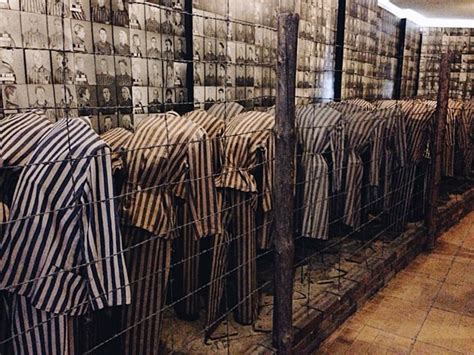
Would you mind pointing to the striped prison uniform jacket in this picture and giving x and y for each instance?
(165, 153)
(452, 120)
(226, 111)
(366, 105)
(76, 227)
(318, 129)
(246, 185)
(195, 265)
(465, 136)
(117, 139)
(361, 129)
(418, 116)
(19, 134)
(36, 6)
(394, 145)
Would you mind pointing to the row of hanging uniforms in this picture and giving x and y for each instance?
(60, 253)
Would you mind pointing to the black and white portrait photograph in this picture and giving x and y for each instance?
(155, 73)
(124, 71)
(10, 5)
(66, 103)
(240, 78)
(180, 48)
(125, 99)
(220, 95)
(209, 25)
(198, 48)
(181, 97)
(59, 8)
(103, 39)
(126, 121)
(34, 31)
(178, 24)
(101, 11)
(169, 97)
(198, 76)
(139, 72)
(63, 68)
(210, 95)
(137, 43)
(222, 29)
(166, 26)
(86, 99)
(155, 100)
(107, 99)
(42, 97)
(15, 98)
(84, 69)
(210, 78)
(10, 32)
(121, 41)
(107, 122)
(198, 23)
(210, 50)
(120, 14)
(169, 74)
(137, 16)
(105, 71)
(12, 66)
(81, 36)
(199, 93)
(241, 56)
(38, 67)
(168, 48)
(153, 19)
(60, 35)
(140, 100)
(180, 71)
(153, 45)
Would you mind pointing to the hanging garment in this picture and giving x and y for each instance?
(226, 111)
(366, 105)
(394, 147)
(167, 159)
(246, 183)
(465, 136)
(19, 134)
(318, 129)
(361, 128)
(69, 242)
(453, 118)
(117, 139)
(191, 274)
(418, 117)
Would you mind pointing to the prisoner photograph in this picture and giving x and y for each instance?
(107, 99)
(155, 101)
(123, 74)
(120, 16)
(107, 122)
(125, 99)
(82, 36)
(140, 100)
(10, 33)
(80, 10)
(63, 68)
(103, 39)
(38, 67)
(84, 65)
(60, 36)
(139, 72)
(126, 122)
(100, 11)
(137, 16)
(155, 73)
(105, 71)
(153, 45)
(137, 47)
(42, 97)
(121, 41)
(168, 48)
(86, 100)
(34, 31)
(180, 48)
(12, 69)
(153, 16)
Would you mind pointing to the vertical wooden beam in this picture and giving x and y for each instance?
(339, 59)
(418, 65)
(283, 196)
(438, 142)
(397, 90)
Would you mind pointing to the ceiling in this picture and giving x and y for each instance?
(458, 9)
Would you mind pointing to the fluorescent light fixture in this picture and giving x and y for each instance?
(423, 21)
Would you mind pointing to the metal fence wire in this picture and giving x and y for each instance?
(161, 170)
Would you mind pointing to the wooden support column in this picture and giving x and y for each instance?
(397, 90)
(283, 196)
(339, 55)
(437, 143)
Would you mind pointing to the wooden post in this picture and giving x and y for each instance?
(437, 141)
(397, 90)
(339, 57)
(283, 196)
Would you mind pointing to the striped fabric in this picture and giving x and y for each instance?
(52, 237)
(360, 128)
(248, 148)
(362, 103)
(19, 134)
(317, 130)
(36, 6)
(226, 111)
(117, 139)
(168, 160)
(189, 274)
(453, 118)
(465, 136)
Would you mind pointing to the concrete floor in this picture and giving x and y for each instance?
(426, 309)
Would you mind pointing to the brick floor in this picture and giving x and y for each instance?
(426, 309)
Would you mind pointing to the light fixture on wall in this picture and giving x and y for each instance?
(423, 20)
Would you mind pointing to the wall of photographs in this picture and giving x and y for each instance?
(234, 51)
(370, 56)
(411, 57)
(113, 60)
(461, 42)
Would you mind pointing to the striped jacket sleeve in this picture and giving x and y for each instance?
(106, 272)
(268, 161)
(201, 189)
